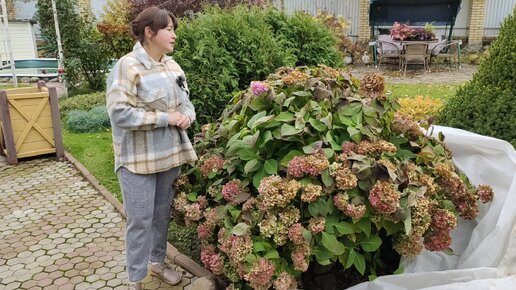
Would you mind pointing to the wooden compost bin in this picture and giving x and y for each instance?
(29, 123)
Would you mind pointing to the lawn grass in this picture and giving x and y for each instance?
(434, 91)
(94, 151)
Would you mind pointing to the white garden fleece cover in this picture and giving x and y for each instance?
(486, 247)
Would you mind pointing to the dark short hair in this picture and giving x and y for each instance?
(154, 18)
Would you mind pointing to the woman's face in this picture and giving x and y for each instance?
(165, 39)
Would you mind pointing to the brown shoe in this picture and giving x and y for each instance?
(169, 276)
(135, 286)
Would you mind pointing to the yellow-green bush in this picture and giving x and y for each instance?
(420, 108)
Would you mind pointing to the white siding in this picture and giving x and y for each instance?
(496, 11)
(349, 9)
(23, 40)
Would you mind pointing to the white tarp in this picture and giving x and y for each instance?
(486, 247)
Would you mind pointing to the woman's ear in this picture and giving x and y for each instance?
(148, 32)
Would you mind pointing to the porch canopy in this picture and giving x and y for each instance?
(413, 12)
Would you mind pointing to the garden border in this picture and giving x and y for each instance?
(172, 253)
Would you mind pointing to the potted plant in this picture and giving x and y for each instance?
(404, 32)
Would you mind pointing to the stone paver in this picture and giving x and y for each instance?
(58, 232)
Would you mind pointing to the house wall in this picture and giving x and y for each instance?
(476, 18)
(23, 40)
(496, 12)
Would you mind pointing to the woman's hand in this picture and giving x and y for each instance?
(177, 119)
(173, 118)
(184, 122)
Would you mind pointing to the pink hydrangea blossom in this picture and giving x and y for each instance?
(348, 147)
(211, 260)
(204, 231)
(231, 189)
(296, 166)
(259, 88)
(260, 275)
(295, 233)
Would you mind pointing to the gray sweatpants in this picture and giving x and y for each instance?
(147, 199)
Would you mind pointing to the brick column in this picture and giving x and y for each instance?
(84, 7)
(476, 22)
(364, 30)
(10, 10)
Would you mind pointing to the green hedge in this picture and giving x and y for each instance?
(84, 102)
(94, 120)
(487, 104)
(222, 51)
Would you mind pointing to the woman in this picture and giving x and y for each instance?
(149, 109)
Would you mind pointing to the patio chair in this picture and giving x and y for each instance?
(447, 51)
(415, 53)
(388, 50)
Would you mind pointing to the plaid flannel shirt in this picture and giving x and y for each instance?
(140, 93)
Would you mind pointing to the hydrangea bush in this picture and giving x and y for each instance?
(312, 166)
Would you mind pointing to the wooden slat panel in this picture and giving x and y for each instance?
(29, 101)
(22, 90)
(36, 152)
(43, 122)
(34, 135)
(27, 96)
(15, 115)
(34, 146)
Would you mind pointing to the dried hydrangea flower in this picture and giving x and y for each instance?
(311, 192)
(403, 124)
(485, 193)
(443, 220)
(317, 224)
(300, 256)
(373, 86)
(345, 179)
(212, 164)
(274, 191)
(384, 198)
(285, 281)
(408, 246)
(438, 241)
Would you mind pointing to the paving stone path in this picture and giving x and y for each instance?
(58, 232)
